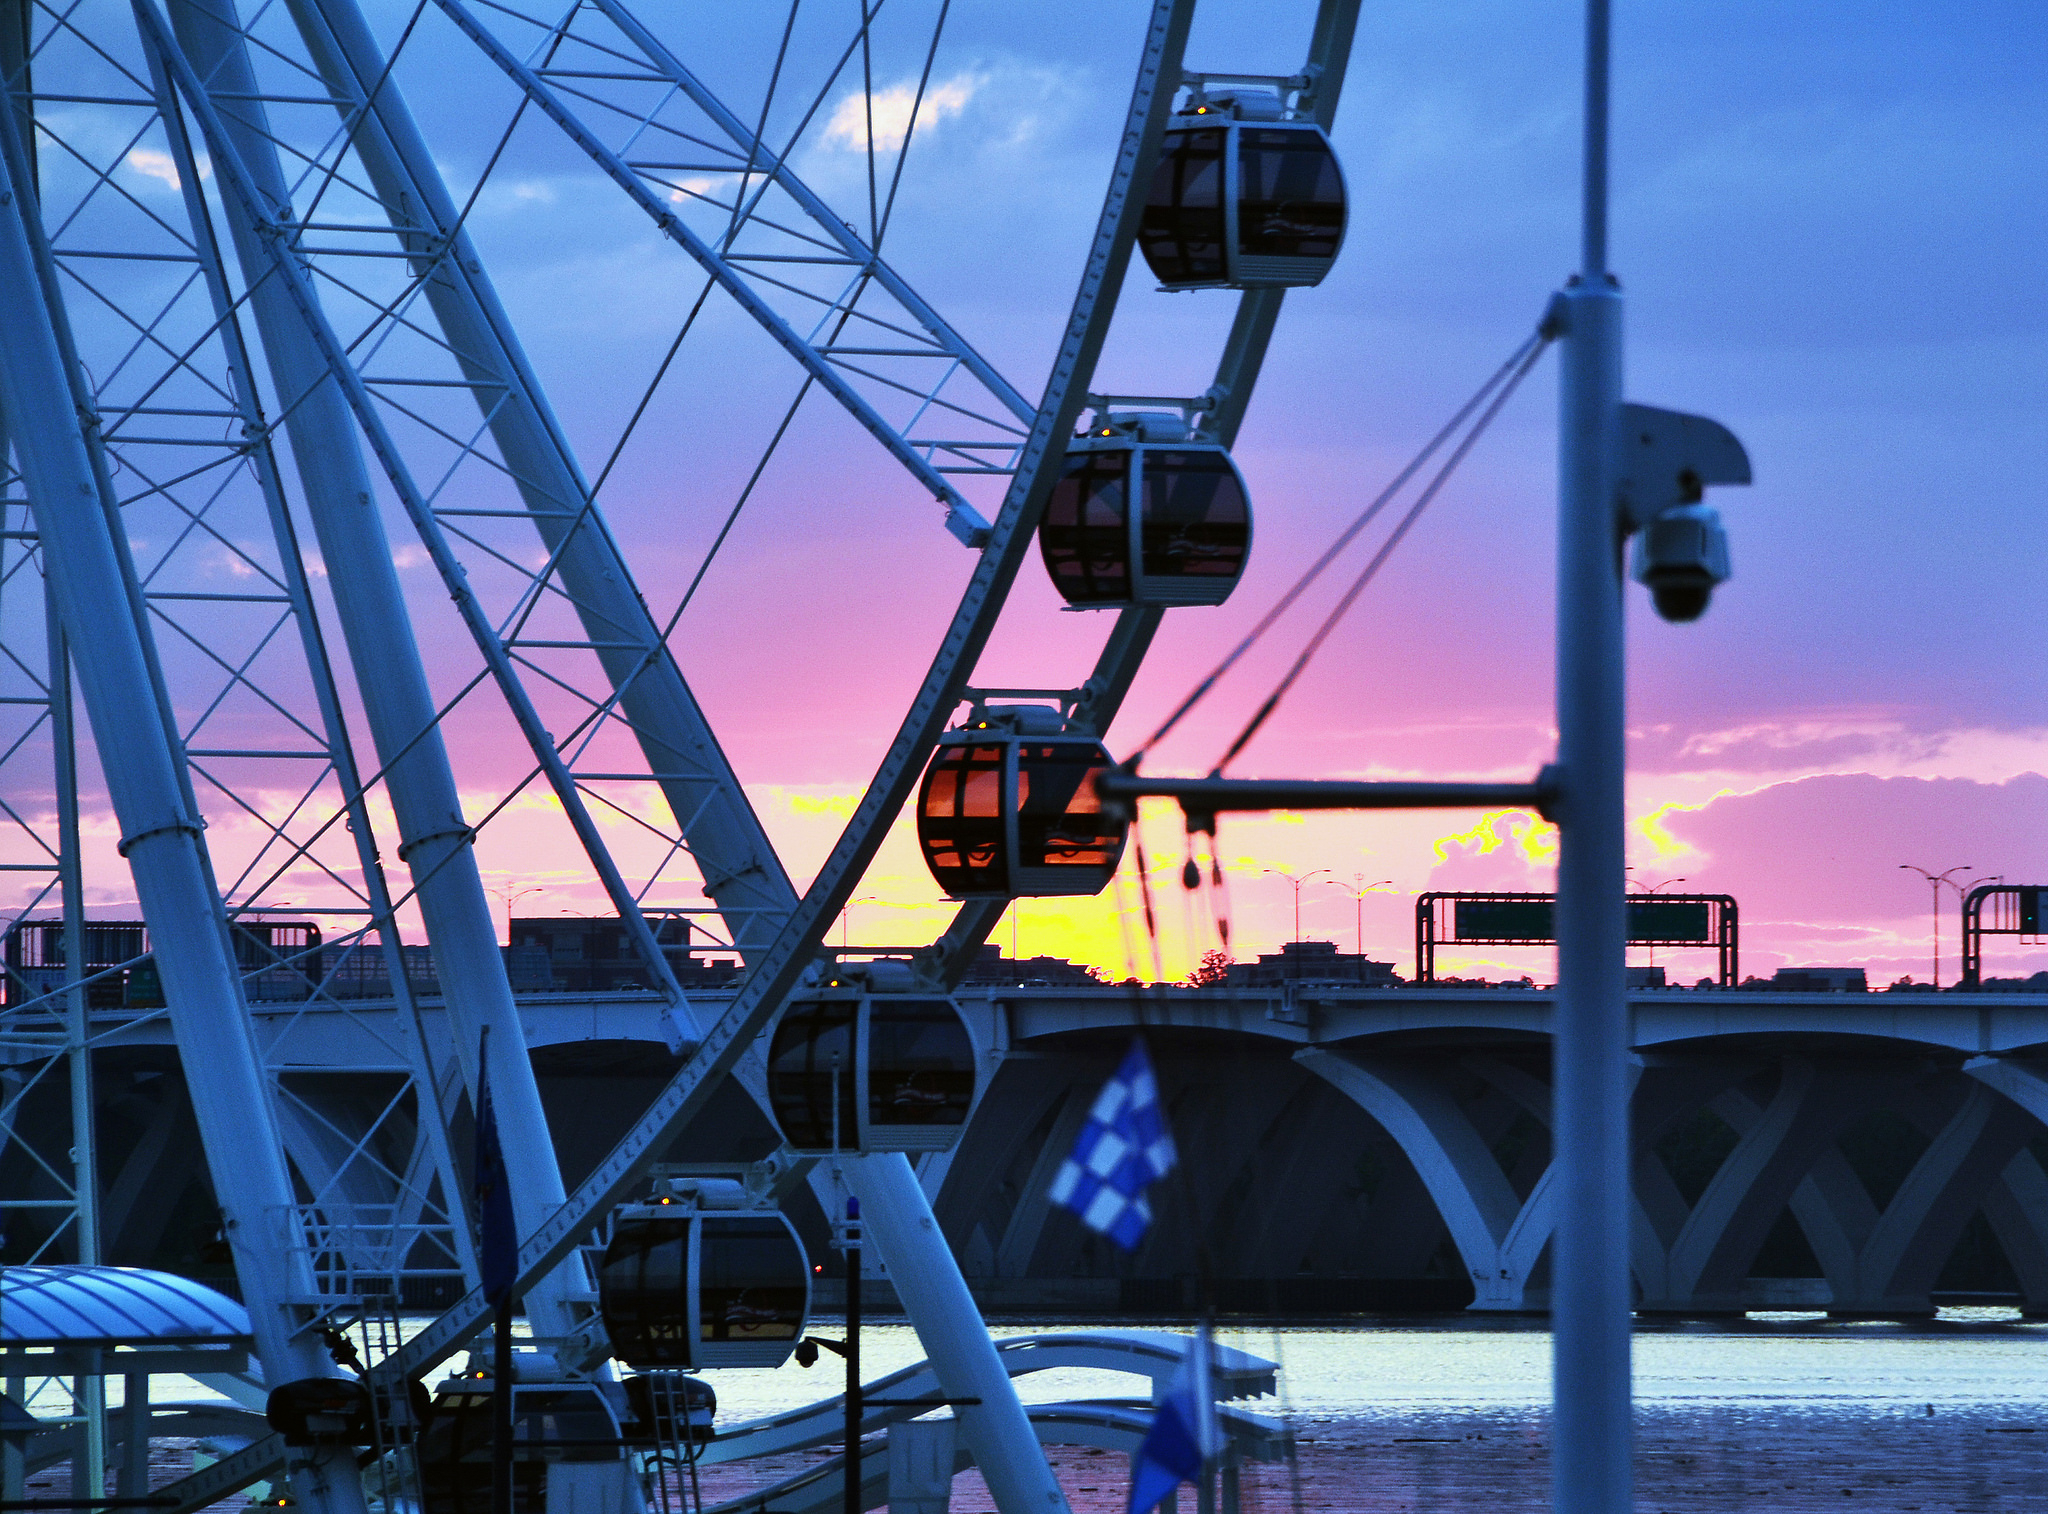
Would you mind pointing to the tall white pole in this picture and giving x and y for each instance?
(998, 1432)
(743, 875)
(1590, 1305)
(160, 837)
(434, 838)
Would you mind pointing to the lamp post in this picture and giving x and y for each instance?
(512, 896)
(1297, 882)
(846, 917)
(1934, 883)
(1358, 894)
(1650, 888)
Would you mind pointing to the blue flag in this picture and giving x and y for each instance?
(497, 1251)
(1185, 1435)
(1124, 1148)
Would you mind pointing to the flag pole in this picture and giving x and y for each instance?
(501, 1406)
(498, 1267)
(1205, 1316)
(853, 1403)
(1123, 1149)
(850, 1502)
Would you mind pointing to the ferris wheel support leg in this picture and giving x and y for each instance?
(434, 840)
(949, 1326)
(160, 838)
(742, 872)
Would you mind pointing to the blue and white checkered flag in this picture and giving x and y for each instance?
(1124, 1148)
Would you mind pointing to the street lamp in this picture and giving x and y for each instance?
(1297, 882)
(1650, 888)
(846, 915)
(511, 896)
(1358, 896)
(1934, 883)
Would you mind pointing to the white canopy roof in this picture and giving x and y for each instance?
(110, 1306)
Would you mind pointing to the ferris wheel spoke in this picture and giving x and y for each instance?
(732, 1038)
(741, 273)
(583, 568)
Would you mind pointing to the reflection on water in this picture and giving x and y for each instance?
(1782, 1412)
(1987, 1357)
(1789, 1412)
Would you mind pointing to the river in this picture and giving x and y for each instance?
(1789, 1412)
(1782, 1412)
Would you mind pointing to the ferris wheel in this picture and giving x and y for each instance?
(255, 358)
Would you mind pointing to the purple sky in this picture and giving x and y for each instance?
(1829, 224)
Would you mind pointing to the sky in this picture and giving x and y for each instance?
(1829, 225)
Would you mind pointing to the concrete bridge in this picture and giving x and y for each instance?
(1339, 1144)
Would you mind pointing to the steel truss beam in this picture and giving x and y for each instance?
(498, 652)
(584, 566)
(1010, 538)
(790, 955)
(830, 243)
(97, 599)
(44, 1031)
(181, 376)
(434, 839)
(397, 166)
(780, 966)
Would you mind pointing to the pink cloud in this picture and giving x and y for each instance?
(1815, 863)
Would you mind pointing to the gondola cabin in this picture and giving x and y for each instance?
(1144, 514)
(898, 1070)
(1007, 809)
(683, 1286)
(1245, 196)
(567, 1458)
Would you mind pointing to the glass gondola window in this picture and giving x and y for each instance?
(1246, 195)
(1085, 535)
(644, 1285)
(1145, 513)
(810, 1039)
(1050, 836)
(920, 1064)
(1196, 523)
(688, 1287)
(915, 1067)
(1290, 201)
(960, 815)
(1182, 232)
(1060, 822)
(751, 1284)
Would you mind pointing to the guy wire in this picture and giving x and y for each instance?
(1365, 518)
(1533, 350)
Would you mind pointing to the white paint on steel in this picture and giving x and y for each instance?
(996, 1430)
(434, 838)
(160, 837)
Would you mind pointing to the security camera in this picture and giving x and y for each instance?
(1665, 461)
(1680, 556)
